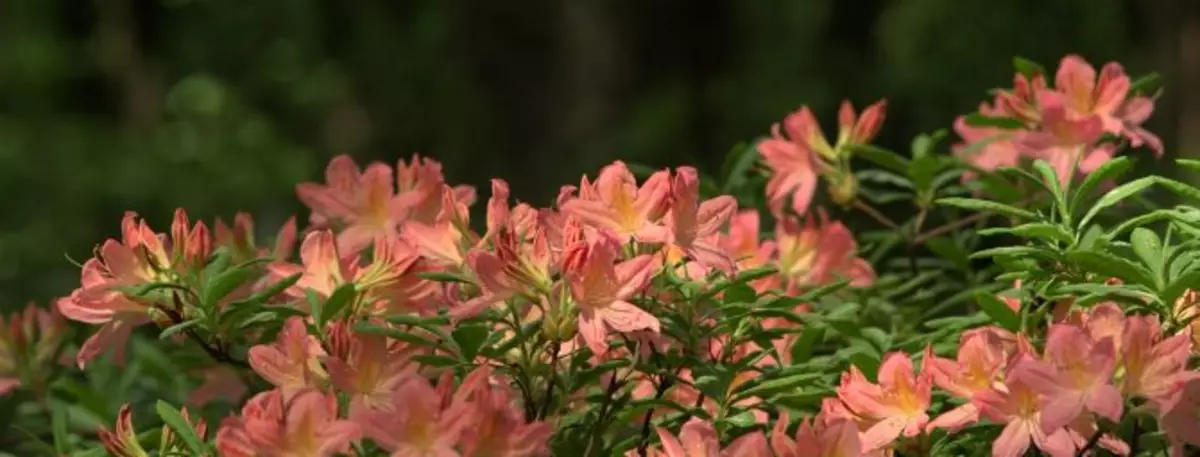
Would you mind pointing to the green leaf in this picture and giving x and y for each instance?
(1018, 251)
(174, 329)
(1050, 179)
(1149, 248)
(185, 432)
(1192, 164)
(1181, 189)
(441, 276)
(975, 204)
(1109, 170)
(737, 163)
(1027, 67)
(59, 418)
(882, 157)
(803, 347)
(740, 293)
(789, 382)
(1000, 313)
(1037, 230)
(1115, 196)
(342, 297)
(269, 292)
(470, 339)
(1146, 85)
(981, 120)
(924, 169)
(1110, 265)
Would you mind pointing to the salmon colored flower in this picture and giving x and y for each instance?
(272, 424)
(390, 275)
(1019, 405)
(693, 225)
(793, 163)
(420, 180)
(1187, 310)
(987, 148)
(978, 368)
(445, 240)
(139, 258)
(602, 289)
(1154, 368)
(422, 420)
(615, 202)
(1106, 97)
(240, 239)
(698, 438)
(820, 438)
(1022, 101)
(293, 362)
(29, 342)
(1181, 420)
(818, 253)
(1066, 144)
(797, 159)
(366, 367)
(364, 204)
(499, 429)
(1084, 368)
(122, 442)
(894, 407)
(217, 381)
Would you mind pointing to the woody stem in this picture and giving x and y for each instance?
(876, 214)
(549, 397)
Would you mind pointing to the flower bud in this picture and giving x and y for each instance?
(123, 441)
(843, 188)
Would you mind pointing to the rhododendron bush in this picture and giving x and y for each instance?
(1030, 301)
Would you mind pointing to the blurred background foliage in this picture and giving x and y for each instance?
(220, 106)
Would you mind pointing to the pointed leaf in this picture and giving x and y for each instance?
(975, 204)
(185, 432)
(1115, 196)
(1000, 313)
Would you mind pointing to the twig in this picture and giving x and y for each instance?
(557, 346)
(613, 385)
(875, 214)
(663, 385)
(957, 224)
(1133, 440)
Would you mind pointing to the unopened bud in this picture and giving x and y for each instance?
(843, 188)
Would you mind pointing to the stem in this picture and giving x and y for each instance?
(875, 214)
(1137, 434)
(959, 223)
(596, 432)
(664, 384)
(556, 346)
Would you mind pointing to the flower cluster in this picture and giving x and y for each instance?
(644, 315)
(1063, 125)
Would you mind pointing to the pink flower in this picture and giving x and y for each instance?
(1022, 101)
(602, 289)
(823, 437)
(1155, 368)
(1181, 420)
(978, 368)
(1018, 405)
(615, 202)
(138, 259)
(1084, 368)
(794, 165)
(894, 407)
(217, 381)
(366, 367)
(29, 341)
(422, 421)
(365, 203)
(389, 276)
(293, 362)
(499, 428)
(698, 438)
(1000, 150)
(304, 424)
(1107, 97)
(123, 442)
(694, 225)
(240, 238)
(1065, 142)
(797, 159)
(819, 253)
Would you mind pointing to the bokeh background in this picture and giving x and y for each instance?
(221, 105)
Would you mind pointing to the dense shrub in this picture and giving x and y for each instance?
(1028, 304)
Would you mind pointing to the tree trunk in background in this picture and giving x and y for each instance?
(1188, 53)
(120, 56)
(590, 66)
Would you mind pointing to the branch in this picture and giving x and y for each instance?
(557, 346)
(875, 214)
